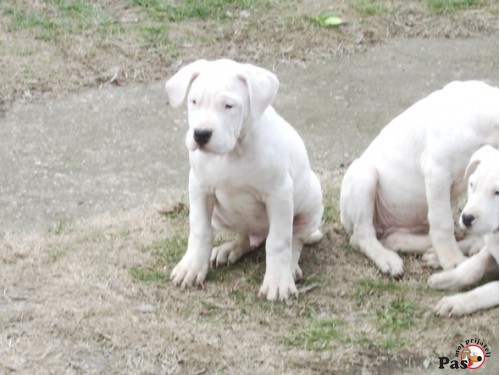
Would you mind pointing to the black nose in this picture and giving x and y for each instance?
(467, 220)
(202, 136)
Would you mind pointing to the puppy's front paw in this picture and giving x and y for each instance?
(430, 259)
(452, 262)
(442, 280)
(189, 271)
(456, 305)
(278, 284)
(390, 262)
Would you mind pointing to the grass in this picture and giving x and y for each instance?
(55, 255)
(378, 7)
(452, 6)
(399, 316)
(169, 251)
(60, 19)
(178, 11)
(316, 326)
(41, 27)
(64, 18)
(331, 206)
(147, 38)
(319, 334)
(368, 288)
(148, 275)
(166, 252)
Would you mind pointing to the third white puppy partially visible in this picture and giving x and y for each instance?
(479, 217)
(398, 195)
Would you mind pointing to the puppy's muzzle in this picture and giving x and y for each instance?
(202, 136)
(467, 220)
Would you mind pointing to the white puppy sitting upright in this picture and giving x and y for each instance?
(249, 174)
(479, 217)
(398, 195)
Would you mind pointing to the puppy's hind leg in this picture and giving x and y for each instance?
(357, 202)
(408, 242)
(230, 252)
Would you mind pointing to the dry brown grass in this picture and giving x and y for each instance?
(51, 47)
(93, 298)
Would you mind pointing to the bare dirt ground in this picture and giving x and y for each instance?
(89, 155)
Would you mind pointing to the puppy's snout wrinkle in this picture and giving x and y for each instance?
(467, 220)
(202, 136)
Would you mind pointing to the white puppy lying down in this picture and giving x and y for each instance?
(480, 217)
(249, 174)
(402, 188)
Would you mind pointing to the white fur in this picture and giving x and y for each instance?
(252, 177)
(482, 204)
(398, 195)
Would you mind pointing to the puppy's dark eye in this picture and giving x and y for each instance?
(193, 101)
(229, 106)
(496, 192)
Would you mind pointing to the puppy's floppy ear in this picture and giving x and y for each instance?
(476, 158)
(262, 87)
(178, 85)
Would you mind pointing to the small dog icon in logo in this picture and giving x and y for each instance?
(474, 355)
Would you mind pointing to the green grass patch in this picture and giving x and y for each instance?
(319, 334)
(62, 226)
(369, 287)
(379, 7)
(451, 6)
(331, 211)
(176, 11)
(60, 19)
(40, 25)
(147, 275)
(54, 255)
(169, 250)
(400, 315)
(372, 7)
(155, 35)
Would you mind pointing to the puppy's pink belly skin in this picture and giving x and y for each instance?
(253, 224)
(387, 222)
(392, 215)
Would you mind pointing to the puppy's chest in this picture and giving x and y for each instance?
(241, 210)
(229, 173)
